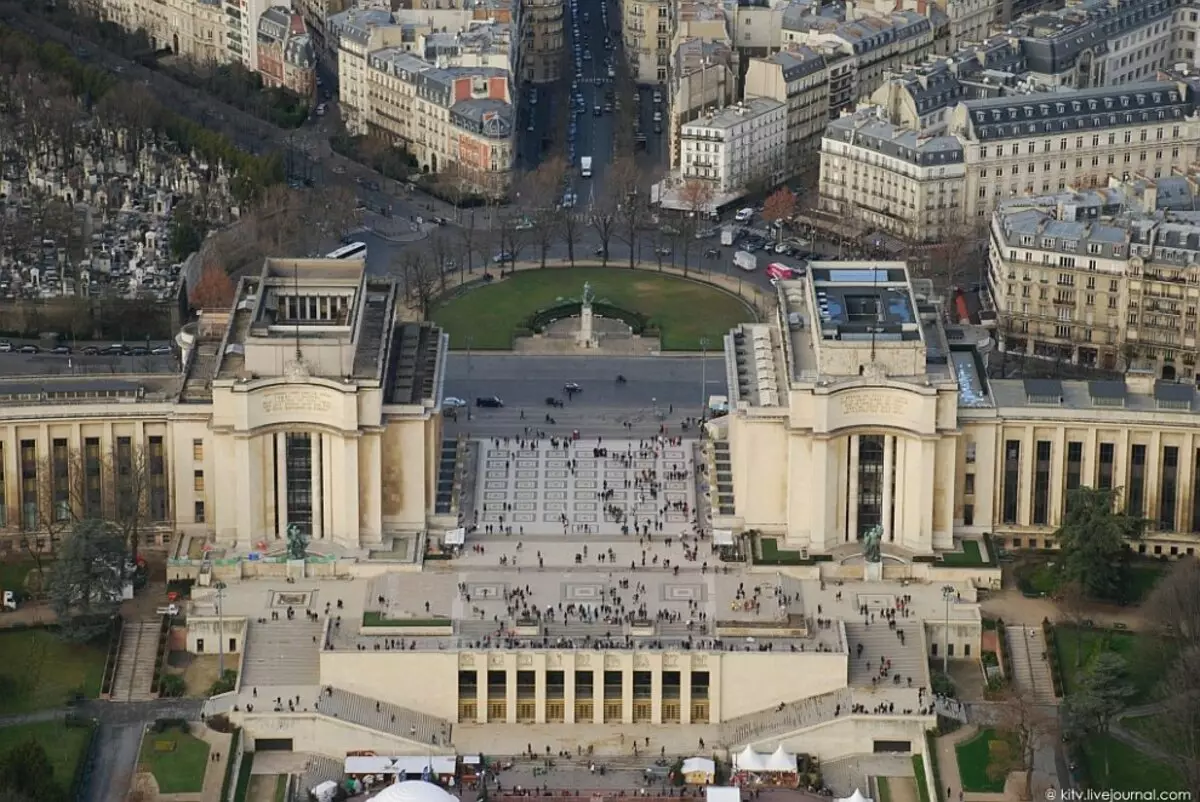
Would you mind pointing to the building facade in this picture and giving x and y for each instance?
(648, 27)
(286, 57)
(303, 406)
(871, 416)
(736, 148)
(543, 51)
(1104, 278)
(798, 78)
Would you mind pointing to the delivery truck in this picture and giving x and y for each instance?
(745, 260)
(585, 166)
(728, 233)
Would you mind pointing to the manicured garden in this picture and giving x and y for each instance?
(377, 619)
(970, 556)
(1129, 769)
(1144, 655)
(42, 671)
(975, 758)
(682, 311)
(1042, 578)
(176, 758)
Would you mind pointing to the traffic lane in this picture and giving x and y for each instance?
(526, 381)
(15, 365)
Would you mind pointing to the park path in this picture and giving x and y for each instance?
(1134, 739)
(947, 759)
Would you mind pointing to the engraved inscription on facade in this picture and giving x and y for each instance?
(554, 660)
(293, 401)
(641, 661)
(612, 661)
(870, 404)
(670, 661)
(524, 660)
(495, 661)
(466, 660)
(583, 660)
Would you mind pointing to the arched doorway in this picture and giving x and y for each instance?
(175, 44)
(1168, 373)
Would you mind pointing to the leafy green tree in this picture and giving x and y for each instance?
(1104, 691)
(1091, 539)
(186, 234)
(26, 771)
(88, 578)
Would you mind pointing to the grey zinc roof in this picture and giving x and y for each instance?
(1107, 390)
(356, 23)
(1173, 395)
(1052, 41)
(487, 116)
(865, 129)
(798, 62)
(1085, 109)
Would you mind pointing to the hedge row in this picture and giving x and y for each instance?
(1056, 672)
(542, 318)
(1006, 665)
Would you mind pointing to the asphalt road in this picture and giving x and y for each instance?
(524, 381)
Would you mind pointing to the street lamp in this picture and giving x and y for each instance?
(468, 398)
(220, 588)
(703, 376)
(948, 593)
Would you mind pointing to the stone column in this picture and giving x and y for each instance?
(627, 691)
(598, 690)
(568, 693)
(656, 694)
(539, 694)
(889, 471)
(250, 495)
(852, 505)
(346, 524)
(481, 690)
(510, 688)
(318, 485)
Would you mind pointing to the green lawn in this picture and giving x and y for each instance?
(969, 556)
(1129, 768)
(44, 670)
(281, 788)
(1040, 579)
(683, 311)
(14, 572)
(176, 759)
(375, 619)
(919, 773)
(885, 792)
(1144, 655)
(771, 551)
(1142, 579)
(65, 746)
(974, 756)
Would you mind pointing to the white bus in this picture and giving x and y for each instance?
(355, 250)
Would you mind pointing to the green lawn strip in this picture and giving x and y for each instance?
(1144, 654)
(65, 746)
(974, 756)
(969, 556)
(281, 788)
(1129, 769)
(919, 773)
(375, 619)
(885, 792)
(771, 550)
(176, 759)
(243, 783)
(1149, 727)
(45, 670)
(684, 311)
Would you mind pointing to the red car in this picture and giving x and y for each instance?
(779, 272)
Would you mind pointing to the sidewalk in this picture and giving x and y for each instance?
(947, 762)
(397, 228)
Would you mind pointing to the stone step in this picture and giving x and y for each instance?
(878, 641)
(1031, 671)
(385, 717)
(134, 677)
(282, 653)
(776, 721)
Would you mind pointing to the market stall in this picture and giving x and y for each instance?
(777, 769)
(699, 771)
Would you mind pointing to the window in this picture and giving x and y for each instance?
(93, 500)
(198, 451)
(60, 480)
(156, 467)
(1169, 489)
(29, 476)
(1074, 467)
(198, 481)
(1012, 467)
(969, 484)
(299, 463)
(1104, 475)
(198, 512)
(126, 500)
(1041, 483)
(1137, 481)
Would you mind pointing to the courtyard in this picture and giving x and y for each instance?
(683, 311)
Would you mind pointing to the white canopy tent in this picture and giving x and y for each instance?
(748, 760)
(781, 760)
(455, 537)
(699, 765)
(413, 791)
(857, 796)
(723, 537)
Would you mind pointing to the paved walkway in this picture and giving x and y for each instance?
(1134, 739)
(947, 759)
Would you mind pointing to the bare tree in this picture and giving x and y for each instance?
(214, 289)
(470, 237)
(570, 227)
(604, 220)
(1028, 726)
(540, 193)
(421, 279)
(632, 203)
(697, 198)
(779, 207)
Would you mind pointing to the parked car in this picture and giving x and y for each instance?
(30, 349)
(453, 402)
(6, 347)
(744, 215)
(62, 350)
(501, 256)
(160, 350)
(489, 401)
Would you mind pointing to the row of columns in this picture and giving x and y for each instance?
(597, 697)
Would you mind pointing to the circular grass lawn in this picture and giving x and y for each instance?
(683, 311)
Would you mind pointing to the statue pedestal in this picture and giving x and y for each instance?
(873, 572)
(295, 569)
(587, 335)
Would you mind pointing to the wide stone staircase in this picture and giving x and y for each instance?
(1031, 673)
(908, 659)
(135, 661)
(282, 653)
(776, 721)
(384, 717)
(578, 630)
(321, 769)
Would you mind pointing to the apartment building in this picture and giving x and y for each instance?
(1102, 277)
(737, 147)
(357, 32)
(192, 29)
(457, 118)
(316, 14)
(873, 45)
(798, 78)
(703, 78)
(1096, 43)
(286, 57)
(241, 31)
(891, 178)
(1015, 145)
(543, 50)
(647, 27)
